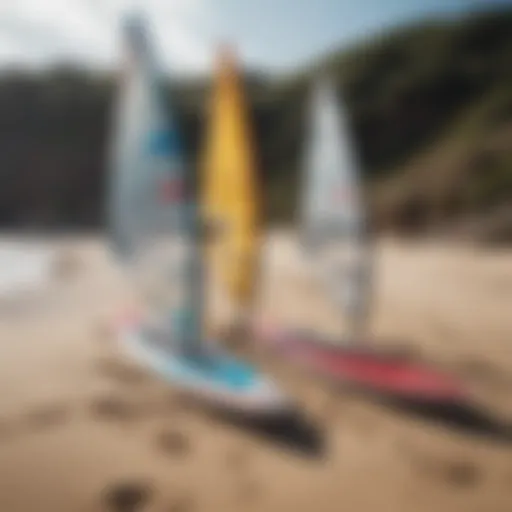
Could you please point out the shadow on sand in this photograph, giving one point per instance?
(462, 416)
(288, 430)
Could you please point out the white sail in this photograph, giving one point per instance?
(333, 224)
(151, 218)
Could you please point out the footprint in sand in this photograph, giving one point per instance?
(462, 473)
(455, 473)
(115, 408)
(126, 497)
(174, 443)
(458, 473)
(47, 416)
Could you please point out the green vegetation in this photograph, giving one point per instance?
(430, 106)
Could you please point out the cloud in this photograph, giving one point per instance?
(36, 33)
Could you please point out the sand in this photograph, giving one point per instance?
(84, 429)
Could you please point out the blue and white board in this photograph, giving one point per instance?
(155, 231)
(211, 374)
(333, 224)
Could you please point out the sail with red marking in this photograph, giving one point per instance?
(151, 215)
(331, 193)
(333, 221)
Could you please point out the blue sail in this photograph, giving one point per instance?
(153, 221)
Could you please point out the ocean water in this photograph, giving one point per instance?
(23, 266)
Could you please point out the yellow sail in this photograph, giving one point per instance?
(229, 186)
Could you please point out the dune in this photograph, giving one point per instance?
(83, 428)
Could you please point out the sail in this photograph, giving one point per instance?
(152, 220)
(331, 193)
(229, 186)
(332, 208)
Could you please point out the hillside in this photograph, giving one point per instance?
(467, 170)
(431, 108)
(430, 105)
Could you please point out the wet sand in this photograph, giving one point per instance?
(84, 429)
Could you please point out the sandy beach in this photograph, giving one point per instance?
(84, 429)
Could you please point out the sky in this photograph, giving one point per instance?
(277, 35)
